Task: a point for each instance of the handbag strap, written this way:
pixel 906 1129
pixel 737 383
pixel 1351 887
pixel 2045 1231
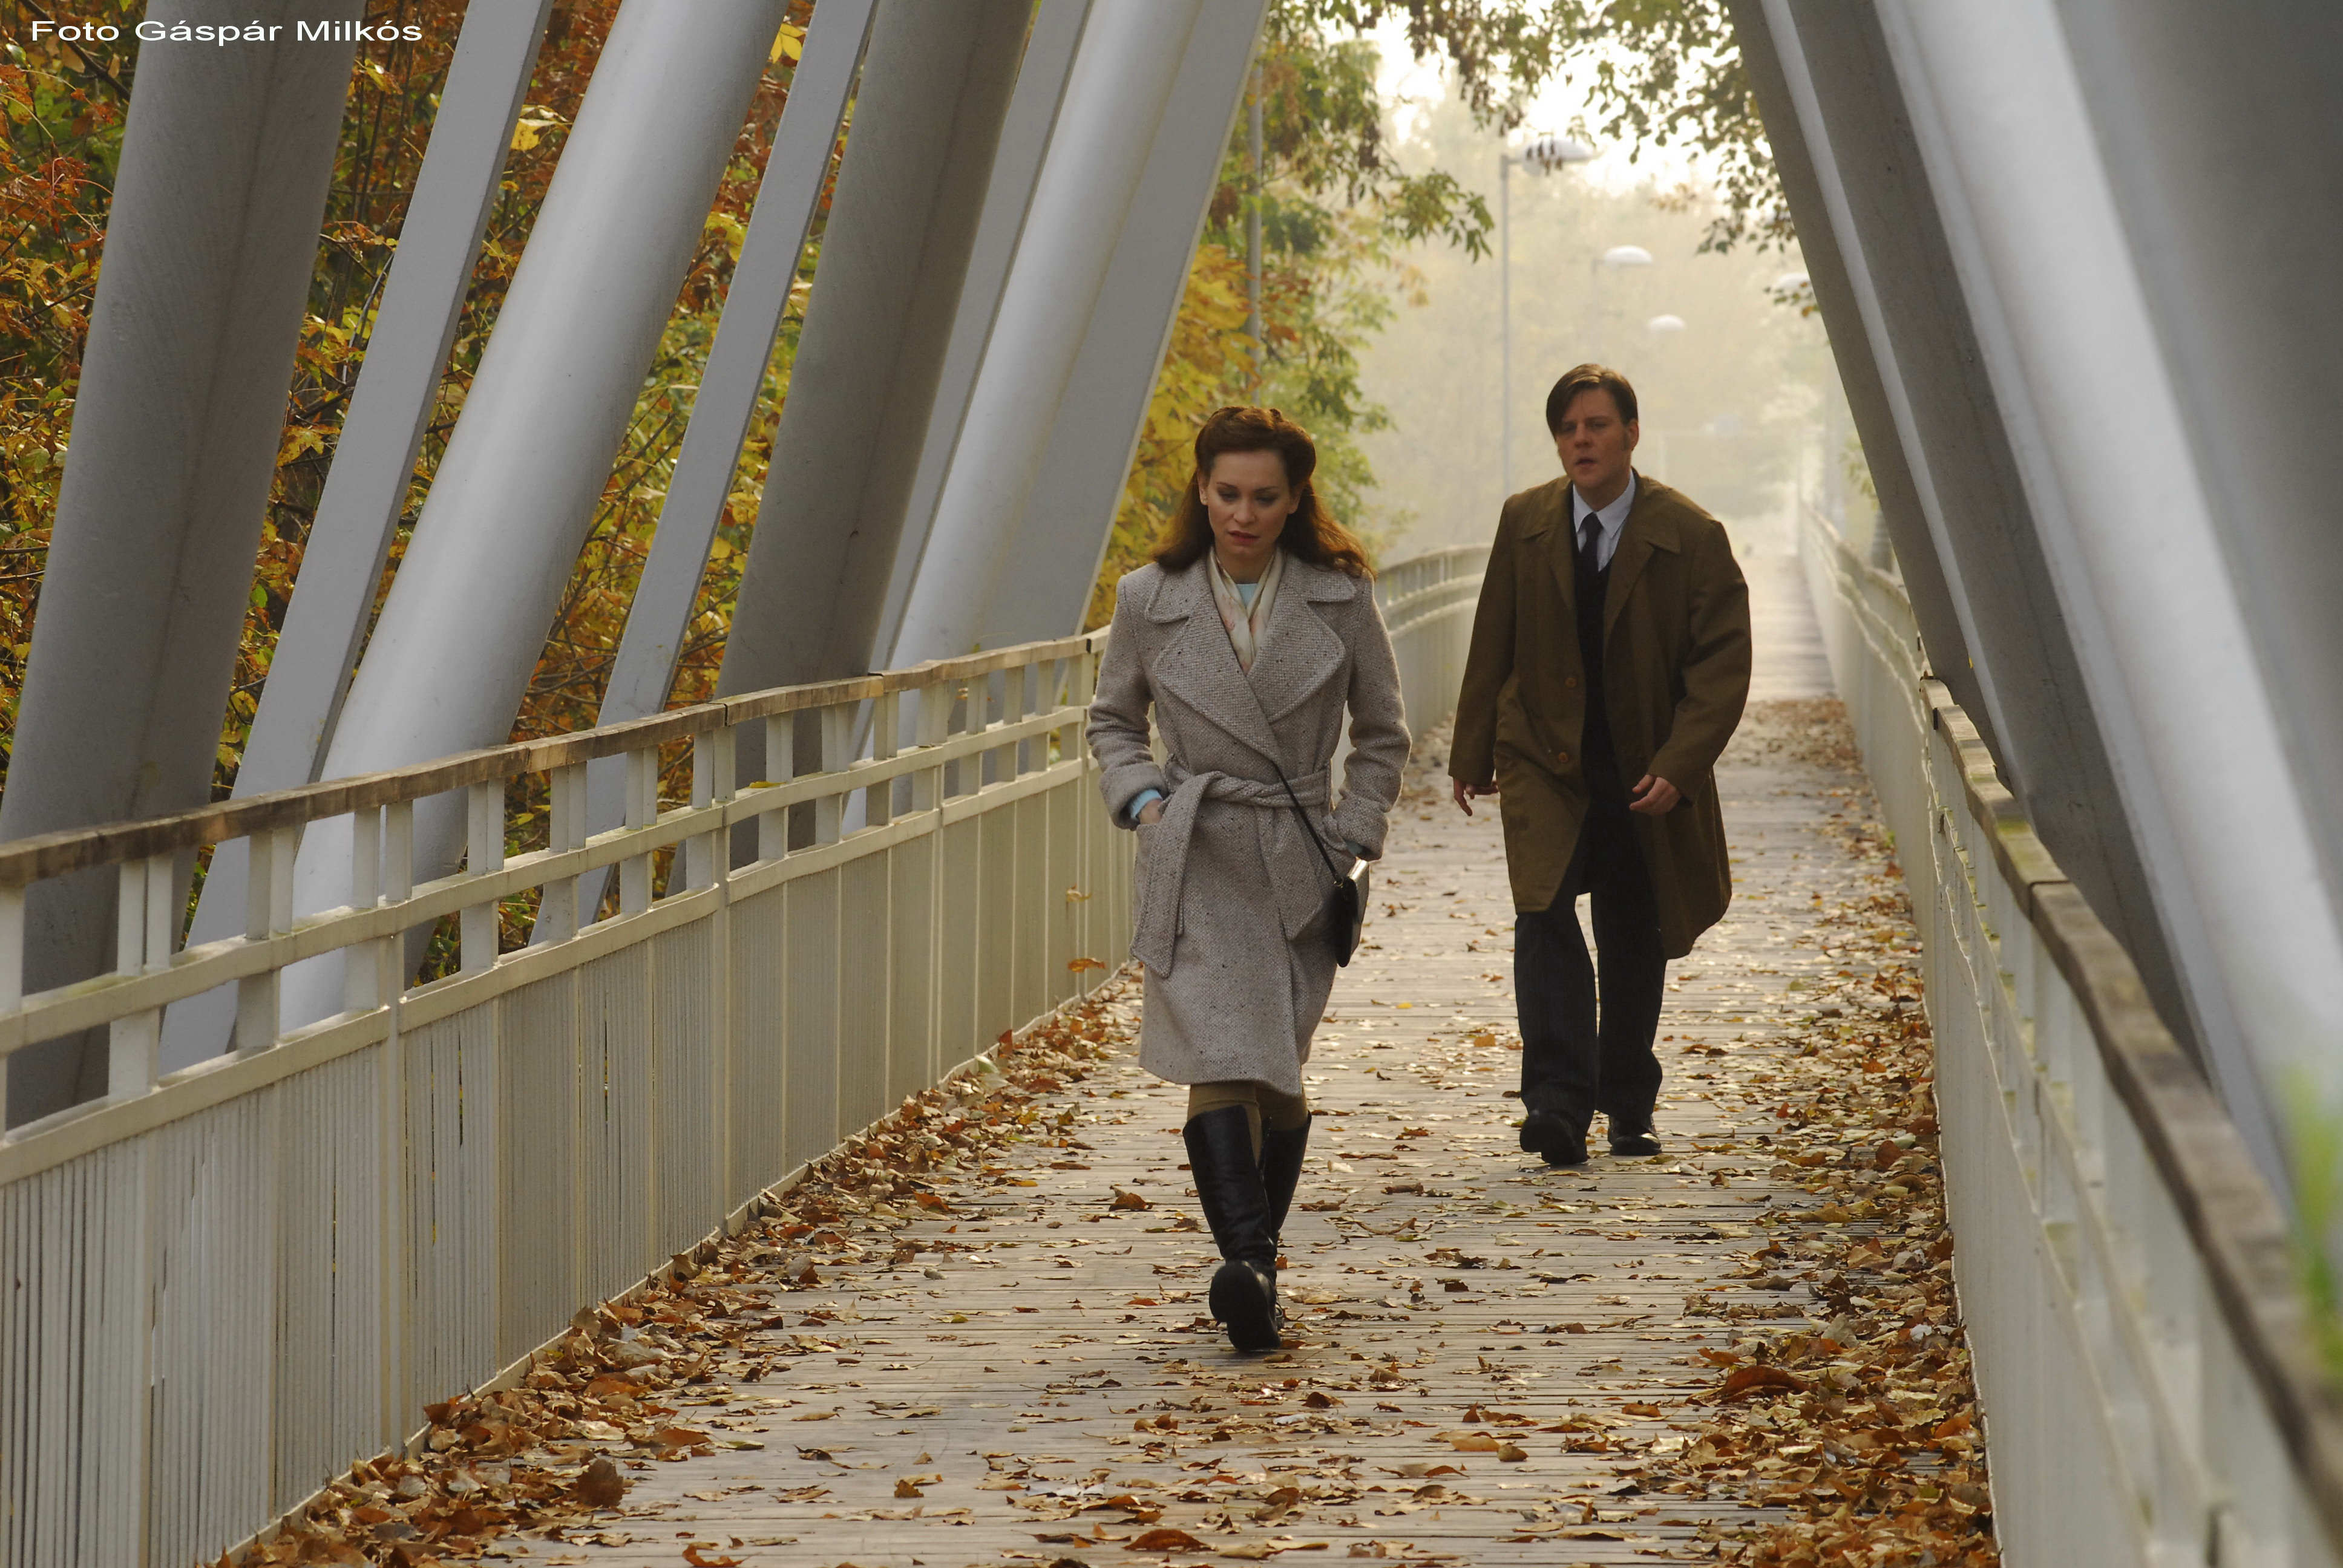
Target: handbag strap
pixel 1309 825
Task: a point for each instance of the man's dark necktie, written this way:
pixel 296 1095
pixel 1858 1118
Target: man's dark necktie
pixel 1595 741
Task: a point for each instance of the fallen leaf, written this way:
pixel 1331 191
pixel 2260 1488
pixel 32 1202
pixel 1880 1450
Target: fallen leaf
pixel 1260 1551
pixel 601 1484
pixel 1750 1379
pixel 1281 1501
pixel 1164 1539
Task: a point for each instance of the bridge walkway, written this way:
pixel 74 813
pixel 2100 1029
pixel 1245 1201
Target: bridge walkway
pixel 950 1347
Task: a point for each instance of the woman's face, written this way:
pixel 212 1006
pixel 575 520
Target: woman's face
pixel 1248 500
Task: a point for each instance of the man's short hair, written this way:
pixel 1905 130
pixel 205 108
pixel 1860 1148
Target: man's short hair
pixel 1588 378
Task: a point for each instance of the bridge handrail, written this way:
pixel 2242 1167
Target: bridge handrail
pixel 2145 1349
pixel 30 859
pixel 407 1198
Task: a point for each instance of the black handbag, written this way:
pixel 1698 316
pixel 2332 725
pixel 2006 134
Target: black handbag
pixel 1344 913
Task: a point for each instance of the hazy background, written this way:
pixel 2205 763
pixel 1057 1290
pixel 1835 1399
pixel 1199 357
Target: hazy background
pixel 1741 409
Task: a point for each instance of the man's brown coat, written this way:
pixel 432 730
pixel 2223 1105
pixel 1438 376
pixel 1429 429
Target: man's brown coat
pixel 1675 673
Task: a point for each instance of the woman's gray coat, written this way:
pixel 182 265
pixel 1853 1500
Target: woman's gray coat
pixel 1229 884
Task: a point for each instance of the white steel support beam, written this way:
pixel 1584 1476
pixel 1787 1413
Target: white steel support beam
pixel 1053 556
pixel 467 617
pixel 1025 135
pixel 374 460
pixel 2108 441
pixel 2231 199
pixel 1943 450
pixel 936 85
pixel 657 620
pixel 210 244
pixel 1142 78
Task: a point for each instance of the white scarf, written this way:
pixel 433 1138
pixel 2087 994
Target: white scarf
pixel 1247 629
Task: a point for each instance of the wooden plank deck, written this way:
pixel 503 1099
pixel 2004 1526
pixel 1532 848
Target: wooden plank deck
pixel 1024 1373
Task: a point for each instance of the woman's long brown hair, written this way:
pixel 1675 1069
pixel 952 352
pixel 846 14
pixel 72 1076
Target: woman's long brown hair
pixel 1312 533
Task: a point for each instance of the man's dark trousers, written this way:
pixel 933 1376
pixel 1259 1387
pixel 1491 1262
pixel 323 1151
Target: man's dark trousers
pixel 1571 1065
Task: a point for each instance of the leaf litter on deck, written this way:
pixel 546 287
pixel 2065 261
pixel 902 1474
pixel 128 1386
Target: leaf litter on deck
pixel 1822 1415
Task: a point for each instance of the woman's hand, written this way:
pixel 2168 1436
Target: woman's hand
pixel 1153 811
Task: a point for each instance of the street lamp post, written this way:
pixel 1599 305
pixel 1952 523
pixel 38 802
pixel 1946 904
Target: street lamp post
pixel 1543 154
pixel 1618 258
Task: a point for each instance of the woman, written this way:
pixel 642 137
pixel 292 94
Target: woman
pixel 1250 631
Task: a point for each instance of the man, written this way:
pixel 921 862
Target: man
pixel 1609 665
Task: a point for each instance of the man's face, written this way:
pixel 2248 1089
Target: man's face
pixel 1595 444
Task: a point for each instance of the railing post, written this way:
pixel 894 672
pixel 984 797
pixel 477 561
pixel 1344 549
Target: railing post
pixel 961 716
pixel 268 912
pixel 12 972
pixel 1083 903
pixel 934 723
pixel 836 735
pixel 558 914
pixel 361 971
pixel 1060 744
pixel 12 950
pixel 781 766
pixel 391 829
pixel 886 722
pixel 142 944
pixel 1014 706
pixel 711 781
pixel 398 851
pixel 484 852
pixel 642 812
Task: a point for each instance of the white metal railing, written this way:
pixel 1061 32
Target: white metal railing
pixel 1427 602
pixel 2143 1349
pixel 227 1284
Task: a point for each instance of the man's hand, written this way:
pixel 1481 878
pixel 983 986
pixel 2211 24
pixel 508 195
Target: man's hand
pixel 1654 796
pixel 1153 811
pixel 1464 793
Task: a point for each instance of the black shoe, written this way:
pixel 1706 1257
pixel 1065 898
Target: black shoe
pixel 1551 1134
pixel 1631 1142
pixel 1281 1172
pixel 1236 1206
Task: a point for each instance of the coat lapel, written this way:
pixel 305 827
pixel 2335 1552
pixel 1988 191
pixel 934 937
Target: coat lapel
pixel 1301 652
pixel 1648 529
pixel 1546 530
pixel 1199 668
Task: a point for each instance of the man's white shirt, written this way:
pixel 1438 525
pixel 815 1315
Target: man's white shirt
pixel 1613 519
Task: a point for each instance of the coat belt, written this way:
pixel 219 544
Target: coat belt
pixel 1280 835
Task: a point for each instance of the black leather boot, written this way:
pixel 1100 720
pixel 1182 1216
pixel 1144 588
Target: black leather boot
pixel 1236 1206
pixel 1281 1172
